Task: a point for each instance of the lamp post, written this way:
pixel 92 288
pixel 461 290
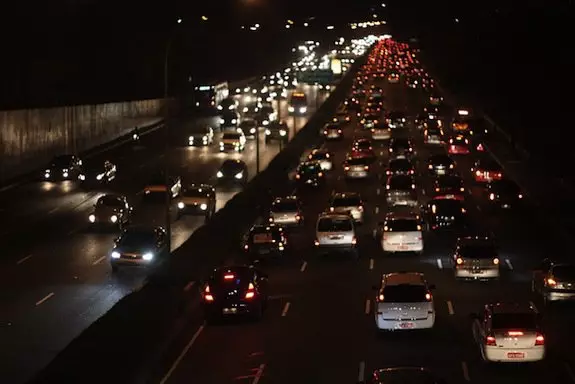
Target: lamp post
pixel 166 127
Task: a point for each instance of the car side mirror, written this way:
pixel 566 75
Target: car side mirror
pixel 474 316
pixel 432 286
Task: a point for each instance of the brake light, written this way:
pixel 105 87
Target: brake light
pixel 298 217
pixel 316 242
pixel 551 282
pixel 297 176
pixel 388 173
pixel 436 189
pixel 496 261
pixel 246 247
pixel 320 174
pixel 360 208
pixel 366 167
pixel 428 296
pixel 478 173
pixel 539 339
pixel 250 294
pixel 515 333
pixel 459 261
pixel 207 295
pixel 229 277
pixel 430 166
pixel 331 209
pixel 339 131
pixel 380 298
pixel 372 130
pixel 354 241
pixel 490 341
pixel 346 168
pixel 411 171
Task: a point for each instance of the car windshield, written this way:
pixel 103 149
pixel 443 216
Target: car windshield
pixel 449 182
pixel 396 115
pixel 514 321
pixel 353 201
pixel 433 130
pixel 331 224
pixel 362 144
pixel 446 206
pixel 231 165
pixel 400 143
pixel 404 293
pixel 400 165
pixel 400 183
pixel 230 277
pixel 488 165
pixel 403 225
pixel 110 201
pixel 478 251
pixel 319 156
pixel 564 272
pixel 440 160
pixel 248 123
pixel 231 136
pixel 197 192
pixel 357 161
pixel 157 179
pixel 62 161
pixel 285 206
pixel 137 239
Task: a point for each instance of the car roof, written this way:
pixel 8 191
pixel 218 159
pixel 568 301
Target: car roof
pixel 333 215
pixel 510 308
pixel 401 278
pixel 402 216
pixel 345 195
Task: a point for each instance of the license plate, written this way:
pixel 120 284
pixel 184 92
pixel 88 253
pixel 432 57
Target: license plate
pixel 406 325
pixel 515 355
pixel 441 172
pixel 229 310
pixel 403 247
pixel 477 272
pixel 264 251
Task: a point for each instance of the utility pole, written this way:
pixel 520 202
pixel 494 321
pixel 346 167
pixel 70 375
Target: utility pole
pixel 258 150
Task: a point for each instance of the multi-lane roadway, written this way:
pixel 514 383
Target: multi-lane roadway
pixel 319 327
pixel 56 278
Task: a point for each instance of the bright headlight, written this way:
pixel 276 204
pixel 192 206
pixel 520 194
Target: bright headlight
pixel 234 121
pixel 245 109
pixel 253 130
pixel 239 175
pixel 65 174
pixel 113 218
pixel 115 255
pixel 220 107
pixel 303 110
pixel 231 107
pixel 222 121
pixel 268 132
pixel 148 256
pixel 266 122
pixel 291 109
pixel 92 218
pixel 204 139
pixel 191 139
pixel 47 171
pixel 203 207
pixel 283 132
pixel 181 205
pixel 220 174
pixel 100 176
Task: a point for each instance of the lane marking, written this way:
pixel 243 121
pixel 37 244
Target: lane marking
pixel 99 260
pixel 23 259
pixel 532 304
pixel 378 191
pixel 286 309
pixel 376 210
pixel 479 208
pixel 371 262
pixel 465 371
pixel 361 372
pixel 439 264
pixel 189 286
pixel 423 192
pixel 367 306
pixel 569 372
pixel 44 299
pixel 53 210
pixel 182 354
pixel 508 262
pixel 259 374
pixel 450 307
pixel 303 266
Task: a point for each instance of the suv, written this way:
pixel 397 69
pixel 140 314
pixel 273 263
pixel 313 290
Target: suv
pixel 335 232
pixel 404 302
pixel 402 232
pixel 348 203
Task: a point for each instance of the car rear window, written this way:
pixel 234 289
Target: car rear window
pixel 346 202
pixel 478 251
pixel 329 224
pixel 404 293
pixel 514 320
pixel 402 225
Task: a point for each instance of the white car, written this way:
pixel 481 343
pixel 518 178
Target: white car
pixel 380 132
pixel 404 302
pixel 402 232
pixel 509 333
pixel 476 258
pixel 335 232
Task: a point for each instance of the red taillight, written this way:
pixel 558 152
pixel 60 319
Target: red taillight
pixel 354 241
pixel 251 293
pixel 539 339
pixel 459 261
pixel 339 131
pixel 490 341
pixel 380 298
pixel 428 296
pixel 478 173
pixel 346 168
pixel 229 277
pixel 298 217
pixel 366 167
pixel 411 171
pixel 325 132
pixel 207 295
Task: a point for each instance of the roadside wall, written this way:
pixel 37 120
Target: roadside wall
pixel 29 138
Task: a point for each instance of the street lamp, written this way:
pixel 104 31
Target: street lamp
pixel 166 127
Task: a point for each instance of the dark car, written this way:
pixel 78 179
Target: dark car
pixel 400 147
pixel 102 174
pixel 233 171
pixel 400 167
pixel 277 131
pixel 229 119
pixel 445 213
pixel 227 104
pixel 111 211
pixel 449 185
pixel 139 246
pixel 197 199
pixel 64 167
pixel 310 173
pixel 440 165
pixel 264 242
pixel 396 119
pixel 200 136
pixel 235 290
pixel 504 193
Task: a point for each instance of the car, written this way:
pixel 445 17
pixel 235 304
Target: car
pixel 139 246
pixel 400 167
pixel 400 147
pixel 362 145
pixel 509 333
pixel 201 136
pixel 404 302
pixel 554 281
pixel 445 212
pixel 401 190
pixel 286 211
pixel 233 141
pixel 433 136
pixel 486 170
pixel 252 110
pixel 440 164
pixel 335 233
pixel 448 185
pixel 277 131
pixel 160 184
pixel 431 110
pixel 249 127
pixel 395 119
pixel 233 291
pixel 504 193
pixel 332 131
pixel 401 232
pixel 310 173
pixel 103 174
pixel 64 167
pixel 235 171
pixel 373 107
pixel 229 119
pixel 227 104
pixel 403 375
pixel 370 119
pixel 458 145
pixel 353 105
pixel 111 210
pixel 380 131
pixel 267 114
pixel 393 78
pixel 323 157
pixel 348 202
pixel 476 257
pixel 197 199
pixel 357 166
pixel 341 117
pixel 435 99
pixel 265 242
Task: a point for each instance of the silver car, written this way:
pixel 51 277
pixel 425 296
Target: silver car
pixel 335 232
pixel 400 190
pixel 286 211
pixel 476 258
pixel 111 210
pixel 349 202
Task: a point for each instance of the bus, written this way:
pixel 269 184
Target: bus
pixel 210 96
pixel 297 104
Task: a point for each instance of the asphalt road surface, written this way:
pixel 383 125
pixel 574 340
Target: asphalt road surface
pixel 319 327
pixel 56 278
